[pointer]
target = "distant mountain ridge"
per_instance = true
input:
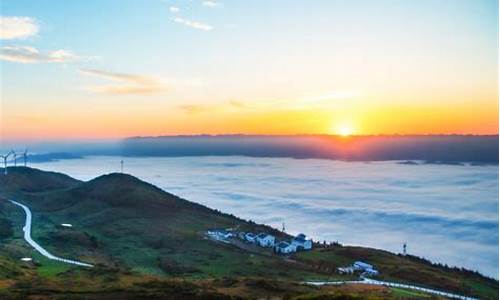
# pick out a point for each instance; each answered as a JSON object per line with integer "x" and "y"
{"x": 429, "y": 148}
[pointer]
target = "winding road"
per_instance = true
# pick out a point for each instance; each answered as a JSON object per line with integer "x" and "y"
{"x": 392, "y": 284}
{"x": 40, "y": 249}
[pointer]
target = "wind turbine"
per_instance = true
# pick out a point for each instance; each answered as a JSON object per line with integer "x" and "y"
{"x": 15, "y": 157}
{"x": 25, "y": 157}
{"x": 5, "y": 157}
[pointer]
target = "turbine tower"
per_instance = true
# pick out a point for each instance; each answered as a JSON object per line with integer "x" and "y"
{"x": 25, "y": 157}
{"x": 15, "y": 157}
{"x": 5, "y": 157}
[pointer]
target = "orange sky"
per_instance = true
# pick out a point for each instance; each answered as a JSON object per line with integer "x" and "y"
{"x": 396, "y": 119}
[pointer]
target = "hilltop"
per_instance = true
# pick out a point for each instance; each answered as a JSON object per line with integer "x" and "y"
{"x": 145, "y": 240}
{"x": 23, "y": 179}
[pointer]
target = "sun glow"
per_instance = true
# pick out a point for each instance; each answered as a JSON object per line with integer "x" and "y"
{"x": 343, "y": 129}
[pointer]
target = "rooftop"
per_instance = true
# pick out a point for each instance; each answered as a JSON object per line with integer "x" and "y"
{"x": 220, "y": 230}
{"x": 363, "y": 264}
{"x": 283, "y": 245}
{"x": 300, "y": 238}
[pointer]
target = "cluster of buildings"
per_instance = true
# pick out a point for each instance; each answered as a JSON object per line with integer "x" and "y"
{"x": 298, "y": 243}
{"x": 265, "y": 240}
{"x": 261, "y": 239}
{"x": 359, "y": 266}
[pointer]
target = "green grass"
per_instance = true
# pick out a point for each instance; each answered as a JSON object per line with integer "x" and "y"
{"x": 48, "y": 268}
{"x": 488, "y": 291}
{"x": 327, "y": 257}
{"x": 408, "y": 294}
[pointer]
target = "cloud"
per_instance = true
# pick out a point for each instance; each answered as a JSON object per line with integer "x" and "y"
{"x": 118, "y": 76}
{"x": 193, "y": 24}
{"x": 174, "y": 9}
{"x": 126, "y": 90}
{"x": 31, "y": 55}
{"x": 194, "y": 108}
{"x": 210, "y": 3}
{"x": 17, "y": 28}
{"x": 127, "y": 84}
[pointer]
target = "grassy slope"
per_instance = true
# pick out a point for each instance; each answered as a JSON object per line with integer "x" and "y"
{"x": 405, "y": 269}
{"x": 121, "y": 221}
{"x": 135, "y": 230}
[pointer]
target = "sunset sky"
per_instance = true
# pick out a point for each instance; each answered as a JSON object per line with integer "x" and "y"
{"x": 92, "y": 69}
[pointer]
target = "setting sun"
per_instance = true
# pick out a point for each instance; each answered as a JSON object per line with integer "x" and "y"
{"x": 344, "y": 129}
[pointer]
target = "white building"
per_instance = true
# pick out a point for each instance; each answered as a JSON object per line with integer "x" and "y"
{"x": 265, "y": 240}
{"x": 370, "y": 272}
{"x": 362, "y": 266}
{"x": 302, "y": 243}
{"x": 346, "y": 270}
{"x": 366, "y": 269}
{"x": 284, "y": 248}
{"x": 220, "y": 234}
{"x": 250, "y": 237}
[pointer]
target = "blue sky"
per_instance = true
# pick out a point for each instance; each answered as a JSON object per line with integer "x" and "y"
{"x": 267, "y": 56}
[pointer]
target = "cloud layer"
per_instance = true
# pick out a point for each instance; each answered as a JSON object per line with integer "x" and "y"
{"x": 193, "y": 24}
{"x": 30, "y": 55}
{"x": 17, "y": 28}
{"x": 125, "y": 84}
{"x": 446, "y": 213}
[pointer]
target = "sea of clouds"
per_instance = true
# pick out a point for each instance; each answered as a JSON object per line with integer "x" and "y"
{"x": 446, "y": 213}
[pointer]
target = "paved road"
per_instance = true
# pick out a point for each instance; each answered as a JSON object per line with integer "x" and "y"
{"x": 393, "y": 284}
{"x": 27, "y": 237}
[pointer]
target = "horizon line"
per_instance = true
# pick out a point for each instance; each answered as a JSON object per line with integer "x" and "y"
{"x": 315, "y": 135}
{"x": 65, "y": 140}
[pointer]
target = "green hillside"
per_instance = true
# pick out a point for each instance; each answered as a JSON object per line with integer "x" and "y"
{"x": 145, "y": 240}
